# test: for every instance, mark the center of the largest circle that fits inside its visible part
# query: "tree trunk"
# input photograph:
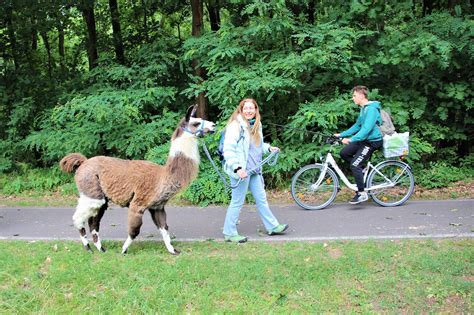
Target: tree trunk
(295, 9)
(62, 53)
(451, 5)
(118, 43)
(44, 36)
(30, 54)
(145, 26)
(34, 39)
(179, 33)
(214, 16)
(11, 35)
(196, 6)
(427, 7)
(89, 19)
(311, 11)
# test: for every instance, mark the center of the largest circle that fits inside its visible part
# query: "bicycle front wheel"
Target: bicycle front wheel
(400, 175)
(305, 189)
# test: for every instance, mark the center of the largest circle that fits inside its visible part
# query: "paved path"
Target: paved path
(415, 219)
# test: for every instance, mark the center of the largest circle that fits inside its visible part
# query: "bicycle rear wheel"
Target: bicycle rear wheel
(305, 192)
(400, 174)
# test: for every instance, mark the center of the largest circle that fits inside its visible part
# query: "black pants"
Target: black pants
(357, 154)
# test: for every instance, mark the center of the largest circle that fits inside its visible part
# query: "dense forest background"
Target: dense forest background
(112, 77)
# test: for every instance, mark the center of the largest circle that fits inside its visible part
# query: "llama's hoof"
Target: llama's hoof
(124, 253)
(102, 249)
(176, 252)
(88, 248)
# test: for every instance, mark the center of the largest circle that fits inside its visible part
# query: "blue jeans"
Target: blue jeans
(255, 184)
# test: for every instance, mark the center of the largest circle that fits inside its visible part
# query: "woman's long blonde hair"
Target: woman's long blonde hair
(254, 134)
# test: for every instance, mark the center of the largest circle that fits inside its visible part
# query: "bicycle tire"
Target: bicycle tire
(311, 198)
(391, 196)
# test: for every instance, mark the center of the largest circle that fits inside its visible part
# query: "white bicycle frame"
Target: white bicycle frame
(330, 161)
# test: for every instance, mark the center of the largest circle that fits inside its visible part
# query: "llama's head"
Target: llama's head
(184, 140)
(195, 126)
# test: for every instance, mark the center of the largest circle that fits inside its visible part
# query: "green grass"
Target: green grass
(257, 277)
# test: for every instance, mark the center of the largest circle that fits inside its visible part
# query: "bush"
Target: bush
(440, 174)
(26, 179)
(208, 188)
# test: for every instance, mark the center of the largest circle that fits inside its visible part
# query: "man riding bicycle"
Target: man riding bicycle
(365, 139)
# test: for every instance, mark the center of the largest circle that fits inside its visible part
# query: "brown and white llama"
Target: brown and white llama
(138, 185)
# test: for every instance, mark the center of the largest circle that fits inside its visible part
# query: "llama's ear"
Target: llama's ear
(191, 112)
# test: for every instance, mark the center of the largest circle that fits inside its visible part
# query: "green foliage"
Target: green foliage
(295, 82)
(107, 123)
(158, 154)
(26, 179)
(298, 59)
(207, 188)
(441, 174)
(6, 148)
(242, 61)
(122, 112)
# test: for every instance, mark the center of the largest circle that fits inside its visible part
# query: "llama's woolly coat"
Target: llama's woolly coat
(149, 185)
(120, 180)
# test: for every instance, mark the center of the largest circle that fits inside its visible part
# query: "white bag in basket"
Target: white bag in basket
(396, 144)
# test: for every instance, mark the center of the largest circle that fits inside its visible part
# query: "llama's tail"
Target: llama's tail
(71, 162)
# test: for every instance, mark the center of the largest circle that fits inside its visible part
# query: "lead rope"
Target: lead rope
(271, 160)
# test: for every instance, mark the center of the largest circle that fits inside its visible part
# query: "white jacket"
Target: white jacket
(236, 153)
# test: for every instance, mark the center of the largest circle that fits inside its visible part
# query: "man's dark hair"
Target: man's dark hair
(361, 89)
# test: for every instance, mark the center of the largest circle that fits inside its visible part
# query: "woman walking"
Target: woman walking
(243, 151)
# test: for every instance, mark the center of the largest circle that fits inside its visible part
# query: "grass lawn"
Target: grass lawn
(257, 277)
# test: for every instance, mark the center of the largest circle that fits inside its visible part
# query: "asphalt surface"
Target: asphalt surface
(340, 221)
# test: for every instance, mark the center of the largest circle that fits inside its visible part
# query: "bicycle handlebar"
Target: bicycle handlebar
(333, 140)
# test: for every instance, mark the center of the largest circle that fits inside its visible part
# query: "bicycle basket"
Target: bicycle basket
(396, 145)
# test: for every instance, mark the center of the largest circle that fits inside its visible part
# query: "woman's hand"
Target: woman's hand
(346, 141)
(274, 149)
(337, 135)
(242, 173)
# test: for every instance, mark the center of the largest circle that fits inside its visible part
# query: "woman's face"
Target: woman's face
(249, 110)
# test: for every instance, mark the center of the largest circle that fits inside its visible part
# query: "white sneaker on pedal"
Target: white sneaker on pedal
(359, 197)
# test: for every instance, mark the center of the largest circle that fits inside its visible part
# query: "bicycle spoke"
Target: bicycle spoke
(401, 180)
(306, 191)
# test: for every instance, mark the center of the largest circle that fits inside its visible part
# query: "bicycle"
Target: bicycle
(389, 183)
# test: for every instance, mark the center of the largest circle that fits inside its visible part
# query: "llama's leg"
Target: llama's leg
(86, 208)
(94, 226)
(159, 217)
(84, 240)
(135, 220)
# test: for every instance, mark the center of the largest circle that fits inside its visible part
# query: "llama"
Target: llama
(138, 185)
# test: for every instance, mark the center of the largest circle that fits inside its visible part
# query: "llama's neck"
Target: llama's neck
(186, 145)
(180, 171)
(183, 161)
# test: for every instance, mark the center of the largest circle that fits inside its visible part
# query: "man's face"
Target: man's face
(358, 98)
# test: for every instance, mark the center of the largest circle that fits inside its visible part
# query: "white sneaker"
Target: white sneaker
(359, 197)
